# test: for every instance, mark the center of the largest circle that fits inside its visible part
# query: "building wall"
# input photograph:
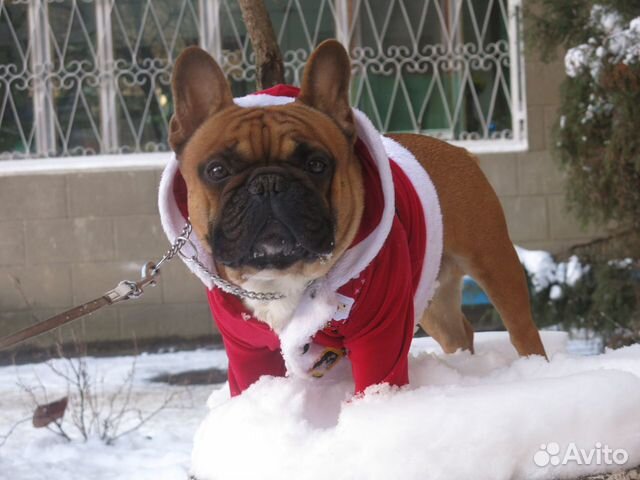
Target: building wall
(67, 238)
(529, 184)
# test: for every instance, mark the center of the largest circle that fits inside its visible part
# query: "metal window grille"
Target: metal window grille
(83, 77)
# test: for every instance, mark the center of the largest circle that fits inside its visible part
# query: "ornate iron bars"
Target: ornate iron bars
(81, 77)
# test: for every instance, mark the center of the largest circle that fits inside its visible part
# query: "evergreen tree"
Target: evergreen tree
(598, 132)
(597, 143)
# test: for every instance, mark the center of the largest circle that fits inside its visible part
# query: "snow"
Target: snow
(577, 58)
(464, 416)
(482, 416)
(160, 450)
(545, 270)
(614, 44)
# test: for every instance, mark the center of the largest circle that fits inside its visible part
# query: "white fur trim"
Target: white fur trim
(173, 222)
(428, 196)
(356, 259)
(315, 309)
(262, 100)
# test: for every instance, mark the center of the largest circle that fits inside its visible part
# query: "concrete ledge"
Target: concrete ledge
(95, 163)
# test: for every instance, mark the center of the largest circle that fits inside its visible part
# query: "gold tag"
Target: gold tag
(326, 361)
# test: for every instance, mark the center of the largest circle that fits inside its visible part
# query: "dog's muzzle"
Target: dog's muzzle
(272, 222)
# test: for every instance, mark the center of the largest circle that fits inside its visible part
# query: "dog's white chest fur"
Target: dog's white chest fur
(275, 313)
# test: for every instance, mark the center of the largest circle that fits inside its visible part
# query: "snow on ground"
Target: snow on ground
(484, 416)
(481, 416)
(160, 450)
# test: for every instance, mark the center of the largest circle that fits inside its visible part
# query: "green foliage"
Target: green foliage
(598, 144)
(553, 24)
(597, 134)
(606, 300)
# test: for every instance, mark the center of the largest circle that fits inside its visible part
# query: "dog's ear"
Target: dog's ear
(325, 84)
(199, 90)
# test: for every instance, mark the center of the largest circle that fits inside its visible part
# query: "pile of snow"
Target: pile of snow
(485, 416)
(615, 43)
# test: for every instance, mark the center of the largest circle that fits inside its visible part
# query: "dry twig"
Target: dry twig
(92, 412)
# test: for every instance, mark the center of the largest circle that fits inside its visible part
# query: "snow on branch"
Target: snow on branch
(613, 43)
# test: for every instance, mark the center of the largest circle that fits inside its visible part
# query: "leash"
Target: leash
(125, 290)
(128, 289)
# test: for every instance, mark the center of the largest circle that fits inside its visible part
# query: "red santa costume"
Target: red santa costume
(369, 302)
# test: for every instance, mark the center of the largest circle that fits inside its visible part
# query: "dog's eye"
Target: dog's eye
(316, 165)
(216, 171)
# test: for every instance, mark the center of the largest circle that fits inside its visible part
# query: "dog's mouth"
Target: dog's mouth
(276, 247)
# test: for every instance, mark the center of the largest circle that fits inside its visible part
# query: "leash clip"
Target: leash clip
(128, 289)
(122, 292)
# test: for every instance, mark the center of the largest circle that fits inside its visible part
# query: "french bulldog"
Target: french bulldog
(297, 195)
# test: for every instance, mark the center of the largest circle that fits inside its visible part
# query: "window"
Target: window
(85, 77)
(440, 67)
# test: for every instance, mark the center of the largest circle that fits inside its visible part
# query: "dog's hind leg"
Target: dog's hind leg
(444, 320)
(505, 284)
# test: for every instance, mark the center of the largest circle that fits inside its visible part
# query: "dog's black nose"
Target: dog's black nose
(265, 184)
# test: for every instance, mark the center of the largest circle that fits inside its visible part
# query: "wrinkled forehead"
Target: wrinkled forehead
(266, 133)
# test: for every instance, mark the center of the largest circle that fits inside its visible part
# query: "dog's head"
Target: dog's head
(276, 189)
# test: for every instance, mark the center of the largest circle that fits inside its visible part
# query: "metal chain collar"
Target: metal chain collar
(219, 282)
